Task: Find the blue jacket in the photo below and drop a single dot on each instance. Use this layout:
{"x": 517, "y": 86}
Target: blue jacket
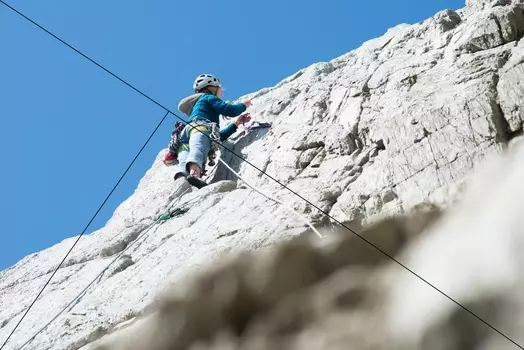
{"x": 211, "y": 107}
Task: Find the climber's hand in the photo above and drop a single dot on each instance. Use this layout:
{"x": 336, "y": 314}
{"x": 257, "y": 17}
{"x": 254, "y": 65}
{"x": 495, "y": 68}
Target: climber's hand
{"x": 248, "y": 103}
{"x": 244, "y": 118}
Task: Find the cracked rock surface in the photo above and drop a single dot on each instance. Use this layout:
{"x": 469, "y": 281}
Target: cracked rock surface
{"x": 345, "y": 295}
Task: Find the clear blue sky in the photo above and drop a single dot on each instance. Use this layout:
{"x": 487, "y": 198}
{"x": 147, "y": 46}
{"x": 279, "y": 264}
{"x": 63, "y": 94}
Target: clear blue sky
{"x": 68, "y": 130}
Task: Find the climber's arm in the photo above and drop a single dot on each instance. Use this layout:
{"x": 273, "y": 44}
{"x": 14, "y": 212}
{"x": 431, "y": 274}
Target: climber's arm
{"x": 227, "y": 131}
{"x": 227, "y": 109}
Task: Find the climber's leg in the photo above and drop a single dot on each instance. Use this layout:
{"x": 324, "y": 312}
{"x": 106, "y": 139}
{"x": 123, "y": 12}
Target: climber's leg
{"x": 183, "y": 153}
{"x": 199, "y": 146}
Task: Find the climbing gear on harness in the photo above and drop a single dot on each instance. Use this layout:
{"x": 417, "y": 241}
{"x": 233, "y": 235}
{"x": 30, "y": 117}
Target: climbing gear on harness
{"x": 171, "y": 156}
{"x": 215, "y": 137}
{"x": 211, "y": 158}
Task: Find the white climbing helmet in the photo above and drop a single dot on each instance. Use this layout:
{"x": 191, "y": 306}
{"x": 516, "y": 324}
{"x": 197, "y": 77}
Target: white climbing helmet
{"x": 204, "y": 80}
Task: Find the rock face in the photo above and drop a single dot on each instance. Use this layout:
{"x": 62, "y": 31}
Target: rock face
{"x": 288, "y": 297}
{"x": 372, "y": 134}
{"x": 346, "y": 295}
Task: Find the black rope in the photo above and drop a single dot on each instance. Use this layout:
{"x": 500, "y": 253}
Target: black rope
{"x": 273, "y": 179}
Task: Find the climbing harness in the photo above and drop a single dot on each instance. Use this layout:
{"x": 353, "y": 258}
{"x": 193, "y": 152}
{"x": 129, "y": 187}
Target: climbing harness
{"x": 174, "y": 146}
{"x": 203, "y": 125}
{"x": 215, "y": 140}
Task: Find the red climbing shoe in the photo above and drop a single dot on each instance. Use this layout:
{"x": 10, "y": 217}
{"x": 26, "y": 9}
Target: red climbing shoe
{"x": 170, "y": 159}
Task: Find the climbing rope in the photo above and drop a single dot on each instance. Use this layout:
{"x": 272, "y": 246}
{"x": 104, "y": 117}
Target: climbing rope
{"x": 273, "y": 199}
{"x": 171, "y": 214}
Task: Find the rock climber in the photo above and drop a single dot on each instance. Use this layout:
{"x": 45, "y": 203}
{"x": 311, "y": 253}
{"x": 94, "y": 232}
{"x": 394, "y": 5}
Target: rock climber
{"x": 204, "y": 108}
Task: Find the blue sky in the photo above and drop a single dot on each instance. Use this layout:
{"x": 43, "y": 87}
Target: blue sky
{"x": 68, "y": 130}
